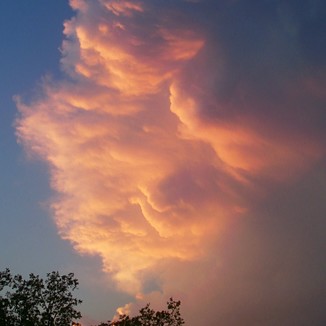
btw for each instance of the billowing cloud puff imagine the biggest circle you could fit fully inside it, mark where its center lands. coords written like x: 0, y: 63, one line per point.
x: 176, y: 123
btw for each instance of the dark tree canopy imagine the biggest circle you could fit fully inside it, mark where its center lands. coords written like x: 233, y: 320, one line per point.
x: 38, y: 302
x: 50, y: 302
x: 149, y: 317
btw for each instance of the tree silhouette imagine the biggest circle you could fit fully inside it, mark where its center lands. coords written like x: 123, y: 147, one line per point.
x: 38, y: 302
x: 50, y: 302
x: 149, y: 317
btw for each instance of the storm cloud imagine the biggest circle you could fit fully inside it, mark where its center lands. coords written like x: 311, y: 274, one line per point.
x: 186, y: 146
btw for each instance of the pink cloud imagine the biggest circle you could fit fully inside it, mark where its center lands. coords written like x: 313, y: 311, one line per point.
x: 144, y: 178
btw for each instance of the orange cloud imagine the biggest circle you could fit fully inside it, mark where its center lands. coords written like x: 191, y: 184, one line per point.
x: 112, y: 146
x: 123, y: 7
x: 143, y: 177
x: 243, y: 144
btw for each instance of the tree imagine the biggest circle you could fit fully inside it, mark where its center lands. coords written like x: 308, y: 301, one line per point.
x: 149, y: 317
x: 35, y: 302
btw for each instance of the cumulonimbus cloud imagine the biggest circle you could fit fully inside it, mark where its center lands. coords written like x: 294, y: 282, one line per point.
x: 150, y: 158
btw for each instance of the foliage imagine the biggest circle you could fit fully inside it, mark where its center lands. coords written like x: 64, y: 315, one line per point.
x: 37, y: 302
x: 149, y: 317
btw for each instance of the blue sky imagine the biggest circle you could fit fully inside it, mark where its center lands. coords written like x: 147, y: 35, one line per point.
x: 26, y: 55
x: 174, y: 148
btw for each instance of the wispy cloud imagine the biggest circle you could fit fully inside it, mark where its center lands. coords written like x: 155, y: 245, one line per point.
x: 174, y: 126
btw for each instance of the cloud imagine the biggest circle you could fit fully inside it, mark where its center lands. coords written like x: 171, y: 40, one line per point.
x: 177, y: 126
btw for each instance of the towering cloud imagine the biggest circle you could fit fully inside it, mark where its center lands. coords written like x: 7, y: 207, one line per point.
x: 176, y: 128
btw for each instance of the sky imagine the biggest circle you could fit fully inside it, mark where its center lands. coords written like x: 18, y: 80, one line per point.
x: 168, y: 148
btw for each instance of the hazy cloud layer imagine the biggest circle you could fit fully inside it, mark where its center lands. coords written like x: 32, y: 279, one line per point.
x: 187, y: 148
